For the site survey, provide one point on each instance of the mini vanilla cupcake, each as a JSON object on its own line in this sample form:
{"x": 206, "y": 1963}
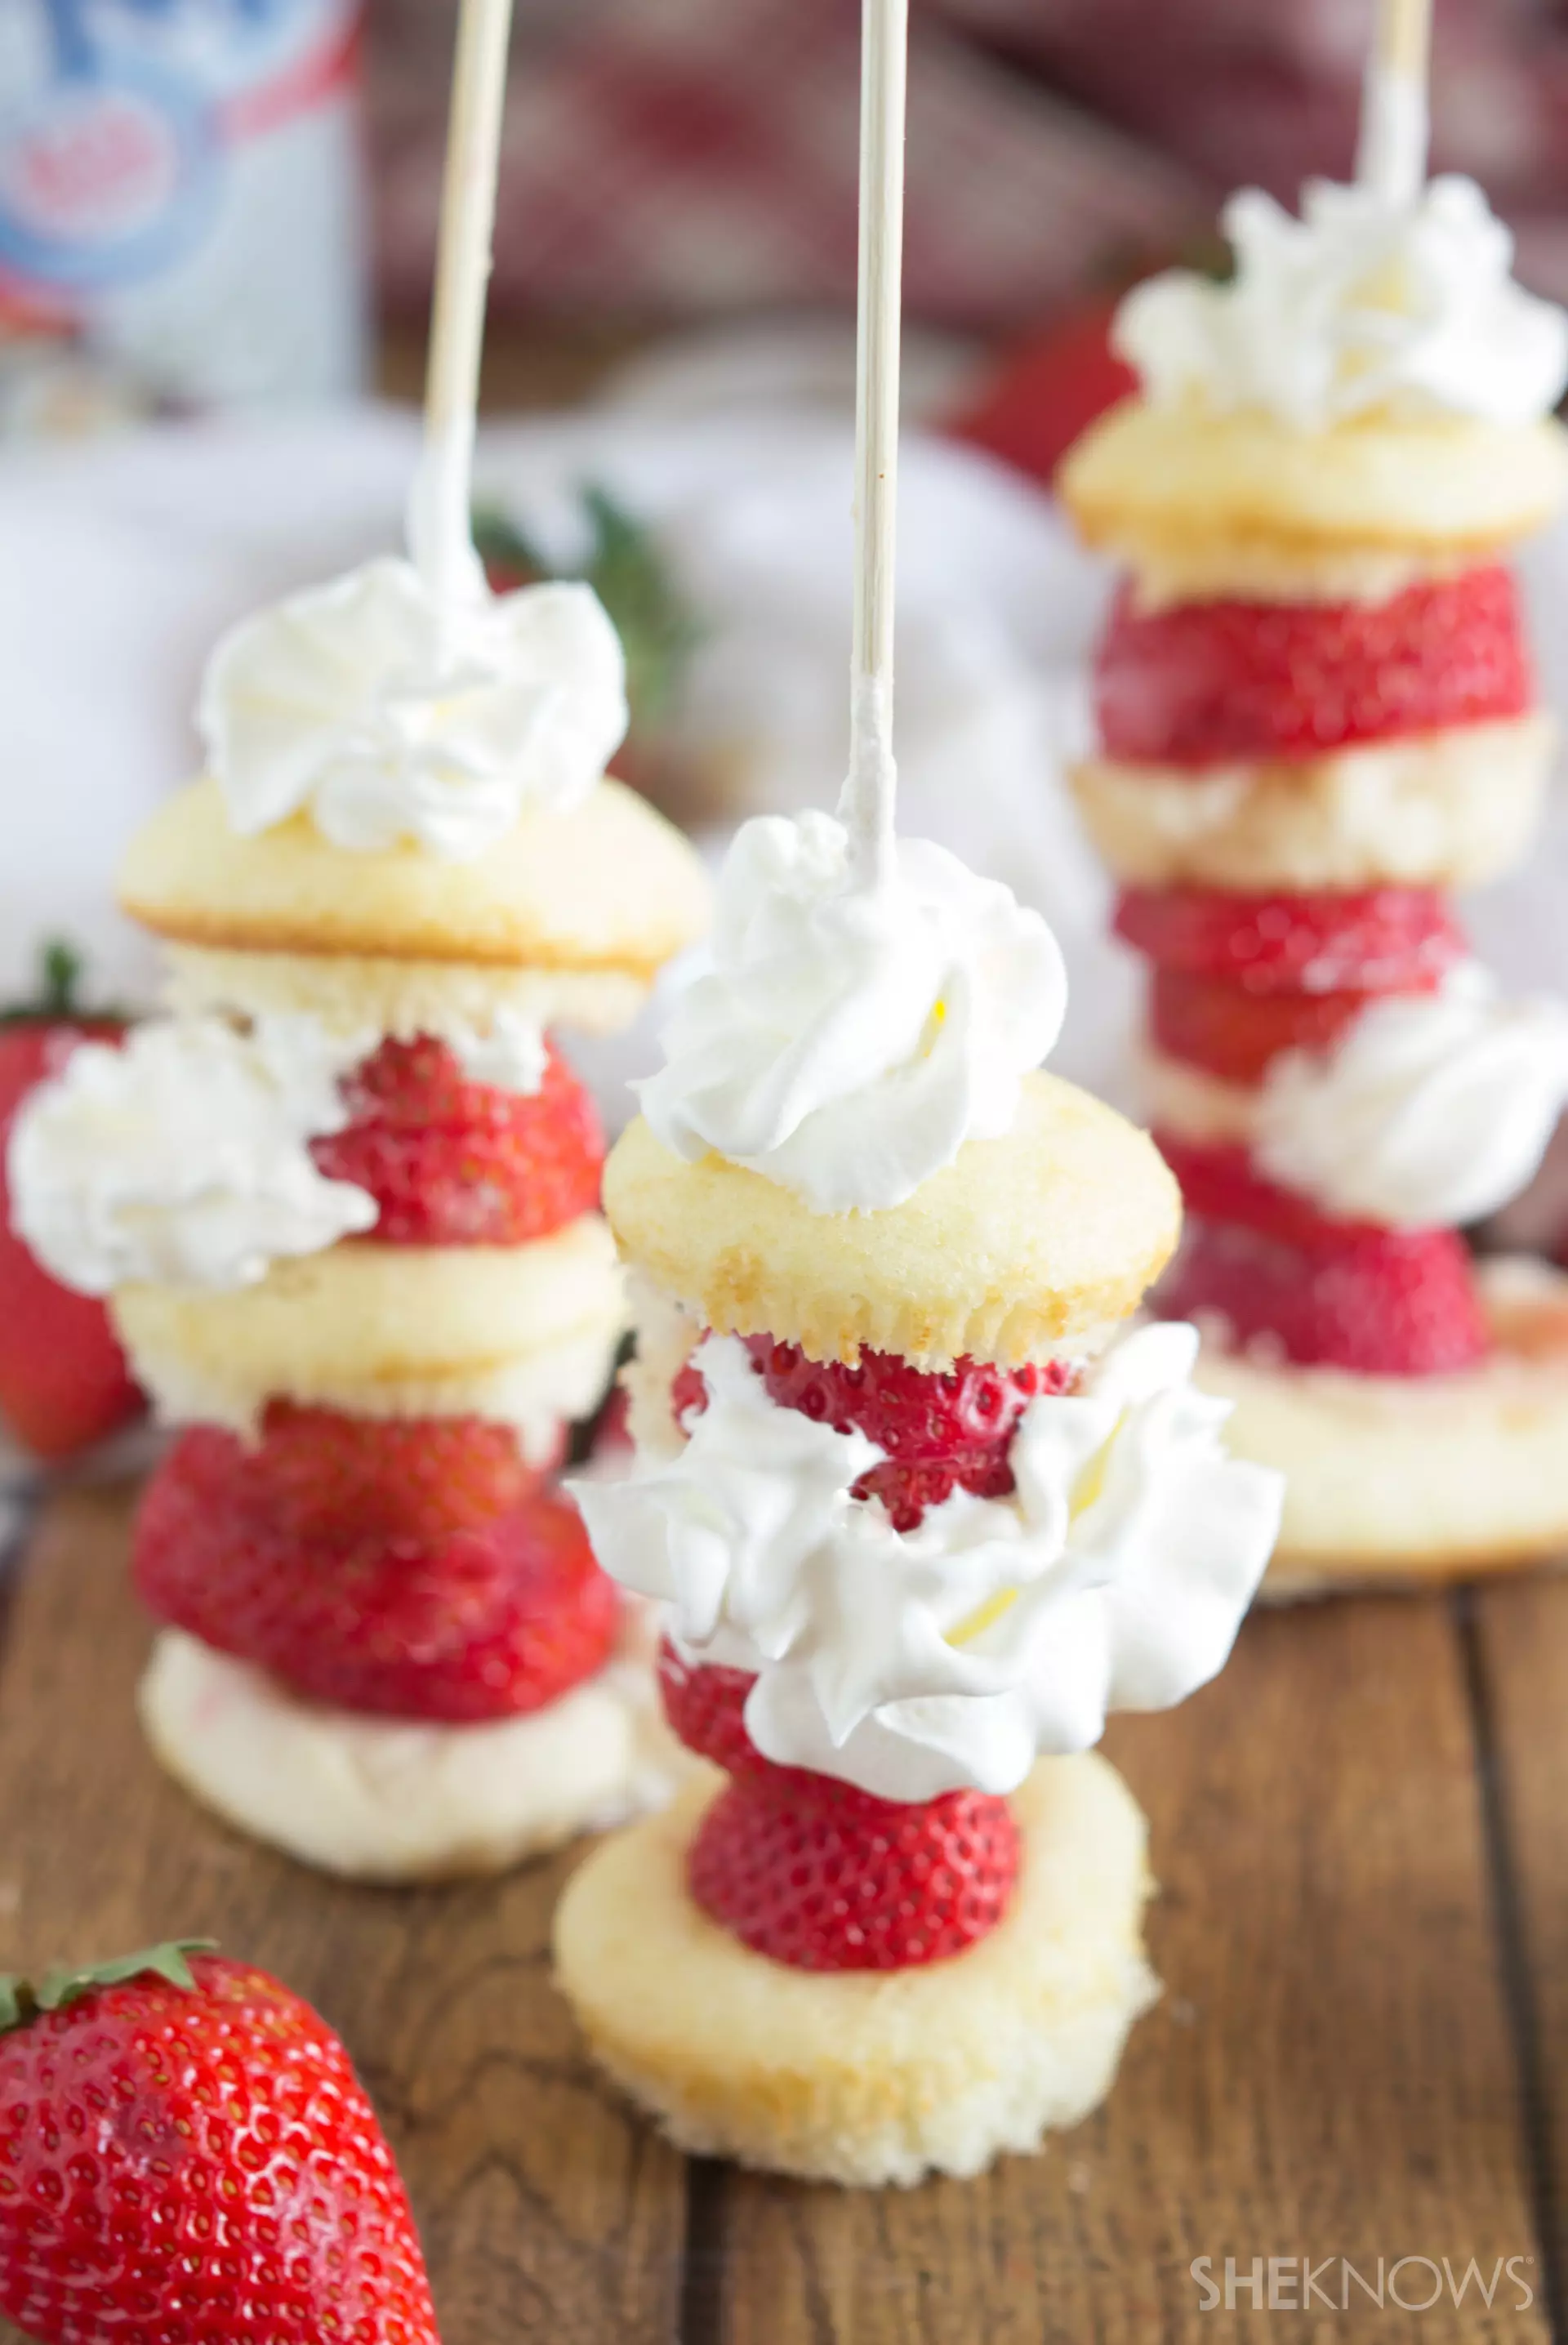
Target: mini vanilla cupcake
{"x": 1317, "y": 714}
{"x": 344, "y": 1202}
{"x": 920, "y": 1517}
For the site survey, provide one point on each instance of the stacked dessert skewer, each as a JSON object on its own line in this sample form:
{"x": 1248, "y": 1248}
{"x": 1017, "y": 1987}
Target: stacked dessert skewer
{"x": 916, "y": 1524}
{"x": 1317, "y": 717}
{"x": 344, "y": 1197}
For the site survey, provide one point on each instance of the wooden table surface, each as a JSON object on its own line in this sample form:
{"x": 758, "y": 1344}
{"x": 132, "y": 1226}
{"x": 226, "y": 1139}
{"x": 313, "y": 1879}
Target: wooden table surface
{"x": 1361, "y": 2053}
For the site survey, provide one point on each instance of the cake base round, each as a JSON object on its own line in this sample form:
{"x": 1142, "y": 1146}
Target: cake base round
{"x": 1403, "y": 1481}
{"x": 389, "y": 1801}
{"x": 861, "y": 2077}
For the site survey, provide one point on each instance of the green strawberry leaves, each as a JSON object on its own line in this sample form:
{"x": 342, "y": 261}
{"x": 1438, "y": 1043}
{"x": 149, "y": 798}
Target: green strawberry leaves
{"x": 657, "y": 627}
{"x": 58, "y": 999}
{"x": 22, "y": 2001}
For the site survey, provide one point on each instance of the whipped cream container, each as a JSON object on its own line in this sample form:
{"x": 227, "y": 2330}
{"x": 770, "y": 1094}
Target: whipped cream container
{"x": 181, "y": 191}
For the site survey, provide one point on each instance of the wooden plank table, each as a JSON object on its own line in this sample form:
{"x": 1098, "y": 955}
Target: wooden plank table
{"x": 1362, "y": 2051}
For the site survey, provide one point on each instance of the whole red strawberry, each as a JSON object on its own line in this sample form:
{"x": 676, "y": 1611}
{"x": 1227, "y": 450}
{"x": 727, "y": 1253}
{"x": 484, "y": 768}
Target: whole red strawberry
{"x": 812, "y": 1873}
{"x": 454, "y": 1163}
{"x": 484, "y": 1622}
{"x": 63, "y": 1382}
{"x": 187, "y": 2157}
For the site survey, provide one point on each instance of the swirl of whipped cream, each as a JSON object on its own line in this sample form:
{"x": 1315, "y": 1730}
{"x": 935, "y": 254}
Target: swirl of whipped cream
{"x": 914, "y": 1663}
{"x": 390, "y": 716}
{"x": 182, "y": 1159}
{"x": 847, "y": 1040}
{"x": 1362, "y": 303}
{"x": 1429, "y": 1110}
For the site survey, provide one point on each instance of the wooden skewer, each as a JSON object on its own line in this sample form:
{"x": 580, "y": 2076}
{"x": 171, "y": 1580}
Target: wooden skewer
{"x": 440, "y": 532}
{"x": 1392, "y": 158}
{"x": 1404, "y": 38}
{"x": 867, "y": 802}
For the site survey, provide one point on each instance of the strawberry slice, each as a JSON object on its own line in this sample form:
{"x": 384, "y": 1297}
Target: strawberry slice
{"x": 63, "y": 1382}
{"x": 1235, "y": 1034}
{"x": 944, "y": 1430}
{"x": 455, "y": 1162}
{"x": 1202, "y": 683}
{"x": 704, "y": 1703}
{"x": 816, "y": 1874}
{"x": 487, "y": 1622}
{"x": 322, "y": 1474}
{"x": 1387, "y": 1303}
{"x": 1222, "y": 1184}
{"x": 1369, "y": 940}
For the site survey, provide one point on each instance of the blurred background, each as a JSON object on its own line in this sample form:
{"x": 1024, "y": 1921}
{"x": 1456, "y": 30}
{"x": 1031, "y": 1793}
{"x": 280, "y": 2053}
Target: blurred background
{"x": 671, "y": 156}
{"x": 673, "y": 160}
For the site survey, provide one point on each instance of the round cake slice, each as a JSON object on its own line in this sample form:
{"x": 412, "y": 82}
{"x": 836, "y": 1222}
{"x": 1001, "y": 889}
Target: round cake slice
{"x": 1042, "y": 1238}
{"x": 583, "y": 898}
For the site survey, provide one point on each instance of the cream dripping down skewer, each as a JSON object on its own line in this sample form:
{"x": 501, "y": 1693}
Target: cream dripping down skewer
{"x": 440, "y": 533}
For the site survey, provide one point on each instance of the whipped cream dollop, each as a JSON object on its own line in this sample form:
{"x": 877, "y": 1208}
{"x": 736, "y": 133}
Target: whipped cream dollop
{"x": 1364, "y": 303}
{"x": 914, "y": 1663}
{"x": 846, "y": 1039}
{"x": 183, "y": 1158}
{"x": 391, "y": 717}
{"x": 1430, "y": 1108}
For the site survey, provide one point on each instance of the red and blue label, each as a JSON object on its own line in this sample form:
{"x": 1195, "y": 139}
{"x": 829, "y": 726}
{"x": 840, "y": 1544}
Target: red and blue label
{"x": 117, "y": 118}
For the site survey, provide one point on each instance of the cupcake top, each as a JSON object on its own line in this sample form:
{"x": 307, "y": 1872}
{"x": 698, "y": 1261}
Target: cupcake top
{"x": 1025, "y": 1245}
{"x": 850, "y": 1143}
{"x": 398, "y": 775}
{"x": 1370, "y": 376}
{"x": 605, "y": 886}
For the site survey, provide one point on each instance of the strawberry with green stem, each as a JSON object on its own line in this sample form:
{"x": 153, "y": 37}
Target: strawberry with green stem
{"x": 186, "y": 2154}
{"x": 63, "y": 1383}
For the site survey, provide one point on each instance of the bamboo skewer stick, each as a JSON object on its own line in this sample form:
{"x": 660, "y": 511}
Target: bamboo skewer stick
{"x": 440, "y": 533}
{"x": 1392, "y": 153}
{"x": 867, "y": 802}
{"x": 1404, "y": 37}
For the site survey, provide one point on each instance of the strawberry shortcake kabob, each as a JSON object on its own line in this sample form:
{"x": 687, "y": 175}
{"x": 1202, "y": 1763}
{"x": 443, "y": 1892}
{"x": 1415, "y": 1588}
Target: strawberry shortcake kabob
{"x": 344, "y": 1198}
{"x": 1317, "y": 719}
{"x": 918, "y": 1514}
